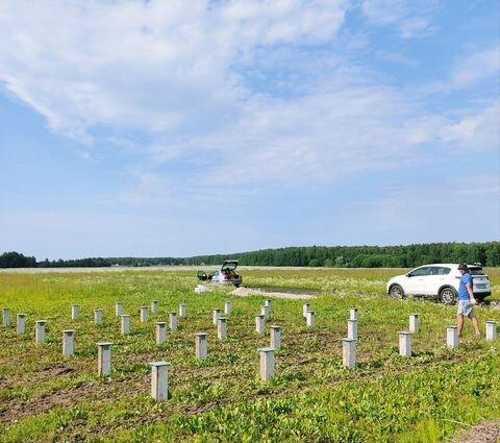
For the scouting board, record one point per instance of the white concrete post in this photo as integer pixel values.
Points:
(265, 311)
(452, 339)
(352, 329)
(159, 380)
(21, 324)
(414, 323)
(161, 332)
(40, 332)
(183, 310)
(173, 321)
(491, 330)
(266, 363)
(405, 344)
(305, 309)
(68, 342)
(125, 324)
(6, 317)
(98, 316)
(155, 306)
(75, 312)
(348, 353)
(269, 304)
(104, 358)
(222, 328)
(260, 322)
(228, 308)
(119, 311)
(215, 316)
(275, 337)
(310, 319)
(353, 314)
(144, 314)
(201, 345)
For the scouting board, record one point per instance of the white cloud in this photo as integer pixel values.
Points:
(203, 84)
(412, 18)
(343, 128)
(476, 67)
(332, 132)
(416, 27)
(472, 130)
(469, 71)
(156, 66)
(477, 131)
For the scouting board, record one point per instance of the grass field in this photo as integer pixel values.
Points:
(428, 397)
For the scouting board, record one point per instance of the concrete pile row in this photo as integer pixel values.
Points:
(160, 370)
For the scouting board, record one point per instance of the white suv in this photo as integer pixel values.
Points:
(438, 281)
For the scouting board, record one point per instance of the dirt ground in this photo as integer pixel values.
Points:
(488, 432)
(247, 292)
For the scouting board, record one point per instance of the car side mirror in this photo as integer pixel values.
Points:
(408, 275)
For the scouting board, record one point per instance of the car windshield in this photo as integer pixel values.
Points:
(229, 266)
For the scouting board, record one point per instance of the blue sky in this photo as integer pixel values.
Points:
(174, 128)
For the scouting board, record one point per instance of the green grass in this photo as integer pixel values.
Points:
(428, 397)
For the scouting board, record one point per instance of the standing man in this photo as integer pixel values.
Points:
(466, 301)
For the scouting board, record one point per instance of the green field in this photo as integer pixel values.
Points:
(428, 397)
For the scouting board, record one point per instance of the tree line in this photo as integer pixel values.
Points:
(16, 260)
(407, 256)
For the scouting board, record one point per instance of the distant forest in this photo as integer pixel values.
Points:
(488, 254)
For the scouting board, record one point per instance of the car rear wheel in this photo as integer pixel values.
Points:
(448, 296)
(396, 291)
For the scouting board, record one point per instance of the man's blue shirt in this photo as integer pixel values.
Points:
(465, 281)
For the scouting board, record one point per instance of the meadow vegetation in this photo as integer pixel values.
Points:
(428, 397)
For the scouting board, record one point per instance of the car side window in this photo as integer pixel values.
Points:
(443, 271)
(420, 272)
(437, 270)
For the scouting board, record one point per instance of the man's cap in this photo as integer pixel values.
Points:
(462, 267)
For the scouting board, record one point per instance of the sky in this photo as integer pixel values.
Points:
(178, 128)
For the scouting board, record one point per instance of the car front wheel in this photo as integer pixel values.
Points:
(396, 291)
(448, 296)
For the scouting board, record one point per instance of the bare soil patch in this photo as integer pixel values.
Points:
(56, 370)
(488, 432)
(249, 292)
(15, 410)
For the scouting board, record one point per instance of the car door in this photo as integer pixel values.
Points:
(435, 278)
(417, 281)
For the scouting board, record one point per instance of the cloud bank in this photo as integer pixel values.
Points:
(242, 91)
